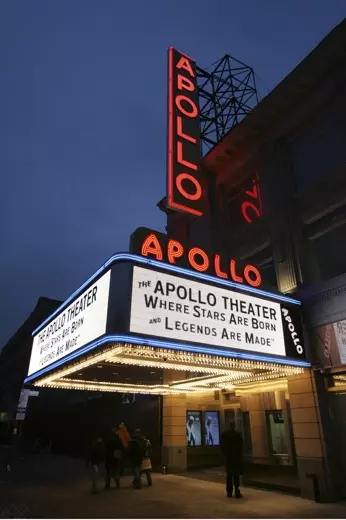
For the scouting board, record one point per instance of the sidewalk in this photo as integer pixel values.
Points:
(272, 479)
(58, 487)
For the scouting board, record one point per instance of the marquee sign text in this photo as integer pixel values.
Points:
(158, 246)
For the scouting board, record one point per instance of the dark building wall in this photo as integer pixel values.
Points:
(15, 356)
(72, 419)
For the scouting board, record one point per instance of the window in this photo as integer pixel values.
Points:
(277, 432)
(330, 249)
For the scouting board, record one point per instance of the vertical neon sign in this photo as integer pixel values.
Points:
(184, 187)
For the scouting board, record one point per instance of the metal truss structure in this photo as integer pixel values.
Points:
(227, 92)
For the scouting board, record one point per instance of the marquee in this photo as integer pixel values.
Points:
(137, 312)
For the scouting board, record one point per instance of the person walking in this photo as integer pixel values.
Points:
(123, 435)
(125, 439)
(137, 451)
(232, 450)
(146, 466)
(96, 458)
(114, 453)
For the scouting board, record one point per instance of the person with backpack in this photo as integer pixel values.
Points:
(137, 452)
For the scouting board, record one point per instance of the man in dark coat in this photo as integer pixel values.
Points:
(113, 456)
(232, 450)
(95, 457)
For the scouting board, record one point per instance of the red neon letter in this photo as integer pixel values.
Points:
(253, 193)
(180, 132)
(174, 250)
(185, 64)
(218, 271)
(181, 98)
(185, 83)
(191, 256)
(252, 269)
(234, 275)
(151, 246)
(179, 183)
(244, 208)
(182, 161)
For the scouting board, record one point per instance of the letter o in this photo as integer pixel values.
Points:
(291, 327)
(199, 267)
(244, 208)
(181, 294)
(211, 299)
(300, 349)
(179, 183)
(181, 98)
(252, 269)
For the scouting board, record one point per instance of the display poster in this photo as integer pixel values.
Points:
(178, 308)
(193, 429)
(330, 343)
(340, 334)
(211, 428)
(84, 320)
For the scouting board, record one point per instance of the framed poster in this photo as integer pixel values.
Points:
(211, 423)
(193, 429)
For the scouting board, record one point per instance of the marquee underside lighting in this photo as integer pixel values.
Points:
(213, 372)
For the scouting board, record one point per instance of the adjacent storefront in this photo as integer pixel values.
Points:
(325, 306)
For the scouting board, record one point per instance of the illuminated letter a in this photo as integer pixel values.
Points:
(151, 246)
(185, 64)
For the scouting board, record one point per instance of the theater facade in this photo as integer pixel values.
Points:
(214, 349)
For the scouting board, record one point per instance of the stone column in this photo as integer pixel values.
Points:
(174, 449)
(308, 434)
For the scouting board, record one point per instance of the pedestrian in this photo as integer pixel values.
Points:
(125, 439)
(146, 466)
(137, 451)
(114, 453)
(232, 450)
(95, 458)
(123, 435)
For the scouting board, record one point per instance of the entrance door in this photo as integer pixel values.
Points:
(242, 424)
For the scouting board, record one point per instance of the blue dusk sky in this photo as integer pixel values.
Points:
(83, 120)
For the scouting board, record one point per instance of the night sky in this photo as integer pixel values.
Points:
(83, 120)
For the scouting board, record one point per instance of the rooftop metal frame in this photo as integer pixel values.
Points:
(227, 93)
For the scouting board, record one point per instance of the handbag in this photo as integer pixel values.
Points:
(117, 454)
